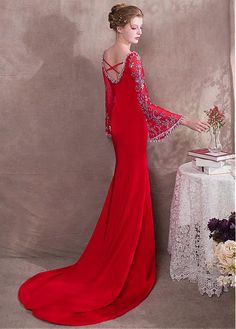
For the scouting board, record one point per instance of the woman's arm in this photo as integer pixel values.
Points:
(160, 122)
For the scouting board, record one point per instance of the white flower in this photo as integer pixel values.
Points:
(230, 248)
(223, 280)
(224, 269)
(233, 281)
(225, 261)
(226, 280)
(220, 280)
(225, 253)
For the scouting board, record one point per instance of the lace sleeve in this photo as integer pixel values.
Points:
(160, 122)
(108, 105)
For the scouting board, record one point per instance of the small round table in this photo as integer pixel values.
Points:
(197, 198)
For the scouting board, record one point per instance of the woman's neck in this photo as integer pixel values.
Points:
(122, 44)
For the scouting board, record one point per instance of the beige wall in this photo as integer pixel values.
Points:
(55, 162)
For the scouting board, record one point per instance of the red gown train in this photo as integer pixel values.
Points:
(117, 269)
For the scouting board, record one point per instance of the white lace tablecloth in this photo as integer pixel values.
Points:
(197, 198)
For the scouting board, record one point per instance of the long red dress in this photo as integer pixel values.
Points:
(117, 269)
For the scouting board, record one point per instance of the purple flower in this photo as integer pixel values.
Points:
(232, 235)
(222, 230)
(213, 224)
(232, 217)
(224, 225)
(224, 236)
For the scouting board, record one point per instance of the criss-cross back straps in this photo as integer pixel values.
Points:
(112, 67)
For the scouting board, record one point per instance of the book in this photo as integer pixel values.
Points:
(216, 171)
(209, 163)
(226, 169)
(204, 153)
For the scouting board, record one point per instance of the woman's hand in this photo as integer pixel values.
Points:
(195, 124)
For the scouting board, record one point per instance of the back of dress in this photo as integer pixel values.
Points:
(129, 94)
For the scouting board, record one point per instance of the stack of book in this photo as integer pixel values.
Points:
(212, 163)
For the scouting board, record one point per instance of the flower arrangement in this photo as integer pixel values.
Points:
(223, 233)
(216, 118)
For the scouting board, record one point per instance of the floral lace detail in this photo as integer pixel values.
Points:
(195, 200)
(160, 122)
(107, 125)
(109, 99)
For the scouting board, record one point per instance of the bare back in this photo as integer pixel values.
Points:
(114, 61)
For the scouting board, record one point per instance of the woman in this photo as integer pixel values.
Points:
(117, 269)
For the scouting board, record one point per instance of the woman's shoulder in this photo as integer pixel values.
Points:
(135, 54)
(111, 53)
(134, 58)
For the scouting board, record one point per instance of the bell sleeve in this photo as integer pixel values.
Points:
(160, 122)
(108, 105)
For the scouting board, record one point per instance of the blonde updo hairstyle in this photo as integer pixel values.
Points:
(121, 14)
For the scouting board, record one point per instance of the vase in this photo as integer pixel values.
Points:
(215, 144)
